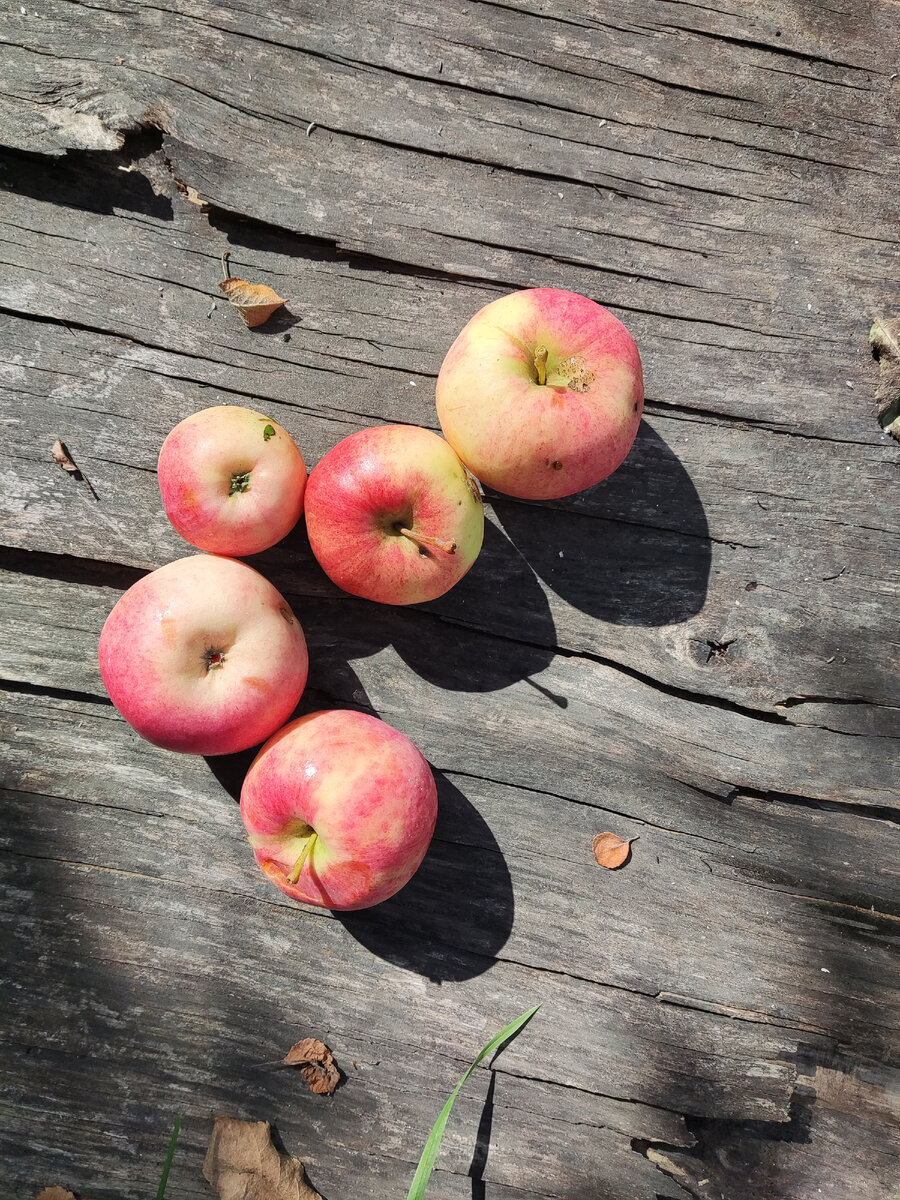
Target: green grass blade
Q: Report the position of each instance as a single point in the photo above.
(429, 1154)
(168, 1165)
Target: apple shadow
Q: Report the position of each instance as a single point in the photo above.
(456, 913)
(634, 550)
(451, 652)
(500, 582)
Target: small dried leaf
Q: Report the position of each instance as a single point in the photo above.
(55, 1193)
(62, 457)
(242, 1164)
(317, 1065)
(610, 850)
(884, 337)
(254, 301)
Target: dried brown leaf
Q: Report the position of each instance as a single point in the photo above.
(242, 1164)
(884, 337)
(62, 457)
(55, 1193)
(317, 1065)
(254, 301)
(610, 850)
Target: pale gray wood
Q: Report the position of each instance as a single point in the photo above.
(709, 665)
(678, 554)
(757, 219)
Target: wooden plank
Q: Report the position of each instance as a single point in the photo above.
(670, 569)
(745, 860)
(772, 239)
(694, 652)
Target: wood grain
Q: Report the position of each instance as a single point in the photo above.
(697, 653)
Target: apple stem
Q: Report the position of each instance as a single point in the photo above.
(298, 865)
(422, 539)
(540, 364)
(226, 270)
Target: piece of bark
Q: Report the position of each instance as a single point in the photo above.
(884, 337)
(242, 1164)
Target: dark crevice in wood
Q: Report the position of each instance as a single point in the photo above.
(859, 910)
(54, 693)
(67, 568)
(793, 701)
(702, 415)
(668, 689)
(871, 812)
(771, 48)
(98, 572)
(525, 787)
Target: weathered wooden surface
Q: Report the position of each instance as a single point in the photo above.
(699, 652)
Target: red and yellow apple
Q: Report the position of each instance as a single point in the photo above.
(340, 809)
(541, 394)
(232, 480)
(203, 656)
(393, 515)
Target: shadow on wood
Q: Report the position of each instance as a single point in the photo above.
(634, 550)
(456, 913)
(99, 181)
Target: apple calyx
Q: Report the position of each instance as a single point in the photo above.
(214, 659)
(304, 855)
(240, 482)
(540, 364)
(423, 541)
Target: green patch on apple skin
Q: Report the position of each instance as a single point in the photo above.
(268, 432)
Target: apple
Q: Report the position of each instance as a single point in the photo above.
(232, 480)
(541, 394)
(203, 656)
(393, 515)
(340, 809)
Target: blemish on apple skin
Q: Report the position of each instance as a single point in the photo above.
(287, 614)
(556, 465)
(258, 685)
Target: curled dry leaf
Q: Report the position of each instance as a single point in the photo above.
(317, 1065)
(884, 337)
(242, 1164)
(55, 1193)
(62, 457)
(610, 850)
(254, 301)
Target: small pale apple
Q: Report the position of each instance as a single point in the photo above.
(232, 480)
